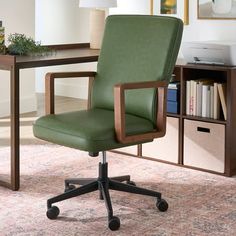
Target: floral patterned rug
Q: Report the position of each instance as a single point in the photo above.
(199, 203)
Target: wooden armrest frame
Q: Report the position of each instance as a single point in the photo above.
(50, 87)
(119, 109)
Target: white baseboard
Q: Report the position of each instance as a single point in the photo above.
(72, 90)
(27, 104)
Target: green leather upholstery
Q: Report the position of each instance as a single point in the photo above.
(91, 130)
(134, 49)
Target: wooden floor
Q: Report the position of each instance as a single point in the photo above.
(63, 104)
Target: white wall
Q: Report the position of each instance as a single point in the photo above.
(131, 7)
(18, 18)
(62, 22)
(56, 21)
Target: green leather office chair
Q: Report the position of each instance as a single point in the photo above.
(127, 104)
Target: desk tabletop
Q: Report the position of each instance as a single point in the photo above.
(59, 56)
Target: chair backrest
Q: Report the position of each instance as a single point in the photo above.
(136, 48)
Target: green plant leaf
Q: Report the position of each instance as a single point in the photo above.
(20, 44)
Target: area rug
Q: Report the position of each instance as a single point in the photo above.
(199, 203)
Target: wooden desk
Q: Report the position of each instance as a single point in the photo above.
(64, 54)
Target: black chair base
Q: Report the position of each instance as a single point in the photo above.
(103, 184)
(69, 183)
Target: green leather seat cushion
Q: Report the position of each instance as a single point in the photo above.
(91, 130)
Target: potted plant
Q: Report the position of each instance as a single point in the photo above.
(19, 44)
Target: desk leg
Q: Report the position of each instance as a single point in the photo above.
(15, 127)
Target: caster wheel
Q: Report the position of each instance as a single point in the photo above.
(53, 212)
(162, 205)
(69, 187)
(114, 223)
(131, 183)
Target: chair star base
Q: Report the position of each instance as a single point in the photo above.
(103, 184)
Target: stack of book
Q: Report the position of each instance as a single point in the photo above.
(205, 98)
(173, 97)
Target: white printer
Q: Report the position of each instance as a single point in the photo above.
(210, 52)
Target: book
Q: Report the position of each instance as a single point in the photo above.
(208, 102)
(188, 95)
(212, 101)
(222, 95)
(216, 102)
(174, 85)
(202, 101)
(173, 107)
(205, 102)
(193, 100)
(173, 95)
(199, 99)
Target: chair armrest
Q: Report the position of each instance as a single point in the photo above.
(119, 109)
(50, 88)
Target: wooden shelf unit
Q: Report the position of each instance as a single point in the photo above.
(227, 161)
